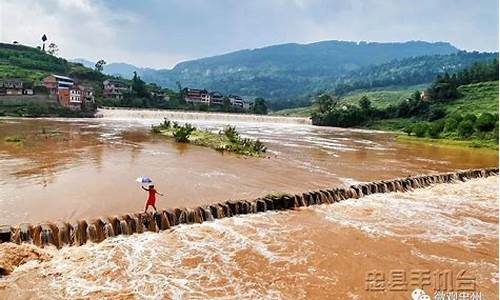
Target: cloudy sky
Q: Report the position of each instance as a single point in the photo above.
(161, 33)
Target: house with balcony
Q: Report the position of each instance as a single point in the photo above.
(15, 87)
(114, 89)
(68, 93)
(196, 96)
(236, 101)
(216, 98)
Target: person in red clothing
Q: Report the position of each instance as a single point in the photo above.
(151, 197)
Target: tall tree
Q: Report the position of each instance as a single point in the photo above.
(139, 86)
(325, 103)
(365, 104)
(44, 39)
(260, 106)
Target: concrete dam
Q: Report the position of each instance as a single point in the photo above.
(96, 230)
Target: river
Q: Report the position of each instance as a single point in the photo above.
(68, 169)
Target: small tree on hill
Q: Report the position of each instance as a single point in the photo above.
(485, 122)
(465, 128)
(325, 103)
(99, 66)
(366, 105)
(52, 49)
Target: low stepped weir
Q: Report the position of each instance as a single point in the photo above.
(96, 230)
(177, 115)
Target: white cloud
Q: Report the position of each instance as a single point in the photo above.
(80, 28)
(159, 33)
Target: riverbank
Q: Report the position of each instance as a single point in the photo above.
(471, 120)
(397, 127)
(474, 143)
(39, 107)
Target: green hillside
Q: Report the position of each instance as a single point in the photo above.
(408, 71)
(294, 112)
(380, 98)
(289, 71)
(469, 120)
(19, 61)
(477, 98)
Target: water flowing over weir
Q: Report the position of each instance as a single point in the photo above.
(96, 230)
(119, 113)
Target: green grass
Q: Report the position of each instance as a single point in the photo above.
(16, 139)
(381, 98)
(11, 71)
(294, 112)
(217, 141)
(473, 142)
(390, 124)
(477, 98)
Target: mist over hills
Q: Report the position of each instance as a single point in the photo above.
(124, 70)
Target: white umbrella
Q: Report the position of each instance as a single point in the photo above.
(144, 180)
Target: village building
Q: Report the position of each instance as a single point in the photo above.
(55, 83)
(196, 96)
(15, 87)
(247, 105)
(67, 92)
(114, 89)
(236, 100)
(425, 96)
(212, 98)
(160, 94)
(216, 98)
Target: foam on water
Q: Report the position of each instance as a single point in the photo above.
(188, 262)
(224, 259)
(462, 213)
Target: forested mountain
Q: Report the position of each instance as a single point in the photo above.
(288, 70)
(287, 75)
(408, 71)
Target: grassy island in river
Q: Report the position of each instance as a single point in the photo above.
(228, 139)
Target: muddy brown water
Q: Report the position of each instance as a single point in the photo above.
(318, 252)
(72, 169)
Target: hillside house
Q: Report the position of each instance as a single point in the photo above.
(68, 93)
(425, 96)
(247, 105)
(236, 100)
(212, 98)
(196, 96)
(216, 98)
(15, 87)
(55, 83)
(114, 89)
